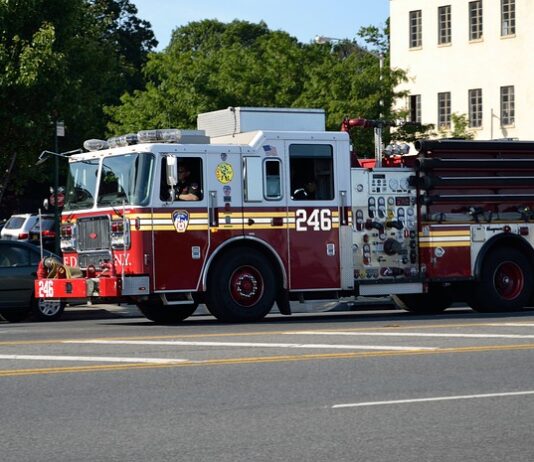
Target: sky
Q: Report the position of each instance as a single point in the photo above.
(303, 19)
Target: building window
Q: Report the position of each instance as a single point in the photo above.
(475, 108)
(444, 110)
(415, 108)
(444, 25)
(507, 17)
(507, 106)
(416, 29)
(475, 20)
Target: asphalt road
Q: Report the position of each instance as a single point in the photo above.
(106, 385)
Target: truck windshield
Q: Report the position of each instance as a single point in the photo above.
(81, 184)
(124, 180)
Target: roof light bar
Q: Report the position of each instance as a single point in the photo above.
(95, 145)
(124, 140)
(171, 135)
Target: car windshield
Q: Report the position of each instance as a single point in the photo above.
(125, 180)
(81, 184)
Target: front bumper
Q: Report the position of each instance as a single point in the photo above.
(77, 288)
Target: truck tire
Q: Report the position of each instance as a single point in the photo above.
(241, 287)
(435, 301)
(157, 312)
(505, 284)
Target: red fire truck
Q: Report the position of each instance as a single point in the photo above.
(261, 206)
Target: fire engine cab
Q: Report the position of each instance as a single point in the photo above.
(261, 206)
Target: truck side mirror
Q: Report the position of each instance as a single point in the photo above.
(171, 170)
(171, 174)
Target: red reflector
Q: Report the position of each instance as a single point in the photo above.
(277, 221)
(92, 235)
(523, 230)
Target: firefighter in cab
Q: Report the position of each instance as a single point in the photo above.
(187, 189)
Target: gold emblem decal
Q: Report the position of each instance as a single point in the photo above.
(224, 172)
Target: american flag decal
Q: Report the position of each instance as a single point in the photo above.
(270, 150)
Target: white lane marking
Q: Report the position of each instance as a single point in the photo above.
(107, 359)
(440, 398)
(253, 345)
(510, 324)
(408, 334)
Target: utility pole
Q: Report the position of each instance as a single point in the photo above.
(3, 185)
(59, 130)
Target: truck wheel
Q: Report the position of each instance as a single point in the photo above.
(241, 287)
(420, 303)
(433, 302)
(47, 310)
(506, 282)
(164, 314)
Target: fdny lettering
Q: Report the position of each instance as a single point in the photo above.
(46, 288)
(317, 220)
(70, 260)
(123, 259)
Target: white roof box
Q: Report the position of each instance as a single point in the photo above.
(235, 120)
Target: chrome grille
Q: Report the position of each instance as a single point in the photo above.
(93, 233)
(93, 258)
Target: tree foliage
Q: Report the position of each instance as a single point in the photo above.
(65, 60)
(210, 65)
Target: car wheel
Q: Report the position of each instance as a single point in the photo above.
(15, 316)
(47, 310)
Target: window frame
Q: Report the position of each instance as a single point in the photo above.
(507, 100)
(415, 109)
(444, 25)
(444, 110)
(476, 20)
(475, 104)
(415, 29)
(507, 18)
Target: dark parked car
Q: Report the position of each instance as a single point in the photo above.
(18, 270)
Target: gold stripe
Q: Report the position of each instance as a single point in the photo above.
(457, 232)
(444, 244)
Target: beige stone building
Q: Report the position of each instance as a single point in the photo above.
(467, 57)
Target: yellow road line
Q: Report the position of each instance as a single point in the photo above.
(260, 360)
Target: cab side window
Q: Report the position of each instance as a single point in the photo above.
(312, 172)
(272, 172)
(189, 187)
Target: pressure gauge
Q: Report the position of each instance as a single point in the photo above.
(394, 184)
(404, 184)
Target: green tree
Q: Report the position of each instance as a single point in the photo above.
(62, 60)
(210, 65)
